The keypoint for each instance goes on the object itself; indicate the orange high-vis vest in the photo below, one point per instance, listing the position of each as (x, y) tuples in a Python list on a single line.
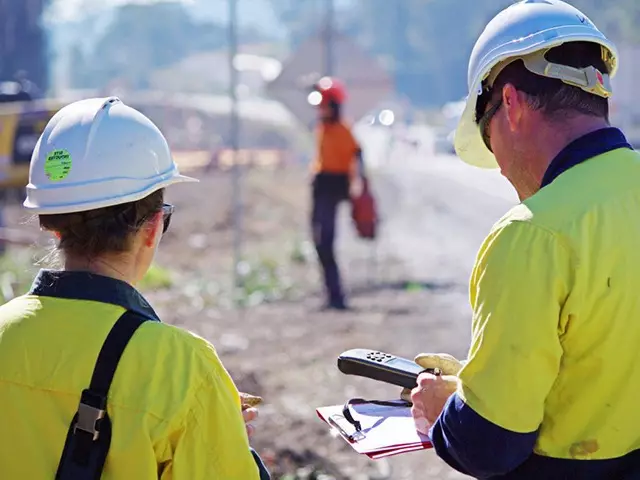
[(337, 149)]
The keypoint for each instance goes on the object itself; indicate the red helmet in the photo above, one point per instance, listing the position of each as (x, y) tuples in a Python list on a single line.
[(332, 90)]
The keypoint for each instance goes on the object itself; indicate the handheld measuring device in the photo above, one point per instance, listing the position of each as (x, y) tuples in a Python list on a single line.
[(381, 366)]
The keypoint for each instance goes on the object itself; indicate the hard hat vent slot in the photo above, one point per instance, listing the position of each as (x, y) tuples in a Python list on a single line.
[(97, 120), (110, 101)]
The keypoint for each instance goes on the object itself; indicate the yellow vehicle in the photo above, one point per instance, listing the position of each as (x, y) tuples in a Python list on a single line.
[(22, 120), (21, 123)]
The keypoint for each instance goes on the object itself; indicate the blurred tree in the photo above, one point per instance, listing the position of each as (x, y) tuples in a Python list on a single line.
[(424, 43), (427, 42), (143, 38), (304, 18), (300, 18)]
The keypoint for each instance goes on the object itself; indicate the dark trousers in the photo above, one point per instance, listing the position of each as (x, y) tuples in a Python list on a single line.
[(323, 220), (328, 191)]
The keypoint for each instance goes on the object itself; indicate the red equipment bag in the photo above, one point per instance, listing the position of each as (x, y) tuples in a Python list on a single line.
[(364, 212)]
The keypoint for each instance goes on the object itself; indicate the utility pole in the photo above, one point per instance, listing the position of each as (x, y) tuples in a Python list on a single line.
[(234, 143), (328, 38)]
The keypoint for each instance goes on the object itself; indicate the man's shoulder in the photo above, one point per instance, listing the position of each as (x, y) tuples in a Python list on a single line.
[(542, 210), (599, 183), (517, 215), (592, 181), (523, 227)]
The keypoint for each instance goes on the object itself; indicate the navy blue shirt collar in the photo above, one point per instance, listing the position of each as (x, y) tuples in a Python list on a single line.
[(583, 148), (89, 286)]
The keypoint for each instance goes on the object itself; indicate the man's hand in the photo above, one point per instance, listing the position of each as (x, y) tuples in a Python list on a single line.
[(429, 398), (356, 186), (448, 365)]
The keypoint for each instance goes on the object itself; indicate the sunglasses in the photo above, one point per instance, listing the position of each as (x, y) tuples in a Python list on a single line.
[(484, 122), (167, 211)]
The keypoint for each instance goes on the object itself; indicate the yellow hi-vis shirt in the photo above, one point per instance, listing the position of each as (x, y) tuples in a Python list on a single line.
[(175, 411), (556, 324)]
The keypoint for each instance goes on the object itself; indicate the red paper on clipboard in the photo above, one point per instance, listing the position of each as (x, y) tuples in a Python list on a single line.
[(386, 430)]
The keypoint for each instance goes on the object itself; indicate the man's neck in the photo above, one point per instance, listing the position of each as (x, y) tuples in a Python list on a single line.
[(555, 137)]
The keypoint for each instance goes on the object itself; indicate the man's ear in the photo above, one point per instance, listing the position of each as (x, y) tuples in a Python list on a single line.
[(152, 230), (514, 103)]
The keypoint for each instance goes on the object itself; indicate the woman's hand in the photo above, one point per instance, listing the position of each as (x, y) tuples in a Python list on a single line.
[(249, 414), (249, 411)]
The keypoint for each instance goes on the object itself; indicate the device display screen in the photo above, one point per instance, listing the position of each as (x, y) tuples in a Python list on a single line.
[(404, 364)]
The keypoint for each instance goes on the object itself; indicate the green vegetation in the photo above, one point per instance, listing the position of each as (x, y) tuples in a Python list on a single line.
[(262, 280), (157, 278), (19, 267), (302, 252)]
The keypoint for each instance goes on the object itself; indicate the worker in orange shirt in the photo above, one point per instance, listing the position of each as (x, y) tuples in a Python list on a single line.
[(338, 161)]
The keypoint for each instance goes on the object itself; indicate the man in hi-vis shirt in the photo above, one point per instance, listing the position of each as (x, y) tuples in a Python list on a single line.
[(551, 385)]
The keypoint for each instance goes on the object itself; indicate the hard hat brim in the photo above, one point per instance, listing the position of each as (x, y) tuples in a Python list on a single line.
[(52, 208), (468, 142)]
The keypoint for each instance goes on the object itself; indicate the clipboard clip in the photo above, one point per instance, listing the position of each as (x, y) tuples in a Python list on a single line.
[(346, 412), (342, 425)]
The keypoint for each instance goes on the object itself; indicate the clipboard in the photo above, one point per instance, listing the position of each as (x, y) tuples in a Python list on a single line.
[(386, 430), (343, 427)]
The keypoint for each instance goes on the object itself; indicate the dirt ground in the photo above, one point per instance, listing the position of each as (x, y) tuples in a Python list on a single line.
[(409, 294)]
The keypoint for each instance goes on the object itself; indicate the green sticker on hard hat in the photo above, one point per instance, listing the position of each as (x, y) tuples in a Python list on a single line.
[(57, 165)]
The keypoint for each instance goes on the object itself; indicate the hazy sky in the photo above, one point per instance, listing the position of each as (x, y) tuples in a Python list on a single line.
[(251, 11), (65, 10)]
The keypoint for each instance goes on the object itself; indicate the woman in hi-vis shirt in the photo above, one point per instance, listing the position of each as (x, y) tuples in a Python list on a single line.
[(337, 161)]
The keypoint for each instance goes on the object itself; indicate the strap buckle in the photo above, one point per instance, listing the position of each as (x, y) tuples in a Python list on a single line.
[(91, 411)]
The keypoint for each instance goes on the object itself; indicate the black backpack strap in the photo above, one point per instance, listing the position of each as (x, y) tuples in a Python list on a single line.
[(89, 436)]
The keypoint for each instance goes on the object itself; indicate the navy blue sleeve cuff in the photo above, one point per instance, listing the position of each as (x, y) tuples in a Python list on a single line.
[(475, 446), (264, 473)]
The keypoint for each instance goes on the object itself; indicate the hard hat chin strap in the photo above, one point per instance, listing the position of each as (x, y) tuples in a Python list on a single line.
[(589, 79)]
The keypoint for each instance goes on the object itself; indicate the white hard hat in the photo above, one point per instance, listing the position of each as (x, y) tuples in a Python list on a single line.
[(97, 153), (528, 29)]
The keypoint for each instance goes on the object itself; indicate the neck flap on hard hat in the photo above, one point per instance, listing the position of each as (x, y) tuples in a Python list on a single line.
[(589, 79)]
